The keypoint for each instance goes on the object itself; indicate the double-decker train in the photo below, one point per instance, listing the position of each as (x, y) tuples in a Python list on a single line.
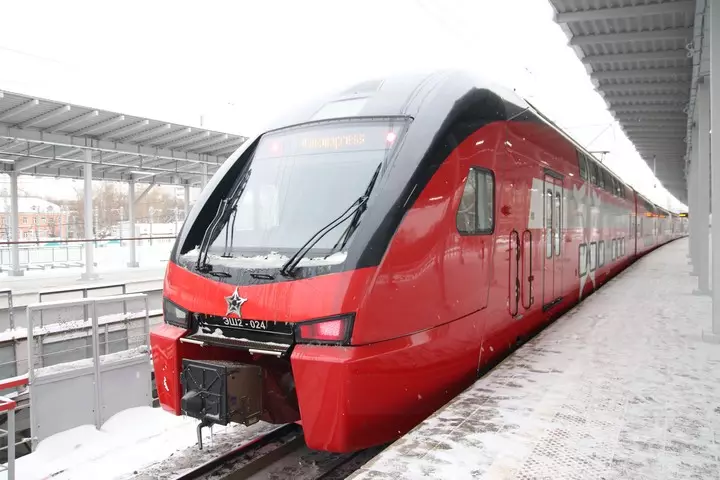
[(357, 266)]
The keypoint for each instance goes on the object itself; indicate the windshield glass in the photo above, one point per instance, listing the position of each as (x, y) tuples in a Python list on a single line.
[(299, 181)]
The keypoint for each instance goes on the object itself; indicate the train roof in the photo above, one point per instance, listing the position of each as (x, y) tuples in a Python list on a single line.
[(404, 95), (399, 95)]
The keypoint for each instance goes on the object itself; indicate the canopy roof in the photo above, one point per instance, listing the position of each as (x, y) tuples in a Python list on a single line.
[(50, 138), (644, 57)]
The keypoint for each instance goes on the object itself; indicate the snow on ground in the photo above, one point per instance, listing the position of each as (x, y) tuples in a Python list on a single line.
[(140, 443), (621, 387), (88, 362)]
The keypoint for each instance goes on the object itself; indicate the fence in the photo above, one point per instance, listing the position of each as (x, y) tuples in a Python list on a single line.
[(61, 256), (90, 391), (11, 315), (61, 329), (8, 407), (69, 253)]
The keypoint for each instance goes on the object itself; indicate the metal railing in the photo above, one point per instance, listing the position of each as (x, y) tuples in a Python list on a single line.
[(91, 305), (8, 406), (51, 253), (84, 291), (42, 256), (11, 315)]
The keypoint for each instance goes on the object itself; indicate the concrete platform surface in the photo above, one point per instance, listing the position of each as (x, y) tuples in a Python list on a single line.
[(41, 280), (621, 387)]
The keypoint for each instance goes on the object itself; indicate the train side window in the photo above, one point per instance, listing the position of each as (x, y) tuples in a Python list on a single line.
[(548, 223), (582, 162), (600, 177), (607, 182), (582, 260), (601, 253), (593, 256), (593, 172), (477, 206), (614, 249), (485, 201), (557, 220), (467, 215)]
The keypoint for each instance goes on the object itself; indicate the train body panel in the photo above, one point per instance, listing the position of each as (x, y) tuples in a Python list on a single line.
[(482, 223)]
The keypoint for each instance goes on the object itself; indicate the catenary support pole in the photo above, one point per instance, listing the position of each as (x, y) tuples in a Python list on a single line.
[(703, 179), (14, 227), (187, 199), (88, 214), (132, 263)]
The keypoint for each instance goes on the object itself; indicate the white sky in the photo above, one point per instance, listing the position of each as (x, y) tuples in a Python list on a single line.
[(241, 63)]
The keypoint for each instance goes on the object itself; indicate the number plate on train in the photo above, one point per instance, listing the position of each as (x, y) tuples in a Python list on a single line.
[(268, 326)]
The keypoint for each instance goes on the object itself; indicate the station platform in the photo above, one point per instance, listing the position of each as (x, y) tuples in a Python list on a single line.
[(49, 285), (40, 280), (621, 387)]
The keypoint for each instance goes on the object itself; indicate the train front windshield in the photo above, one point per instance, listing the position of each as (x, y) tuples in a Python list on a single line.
[(302, 179)]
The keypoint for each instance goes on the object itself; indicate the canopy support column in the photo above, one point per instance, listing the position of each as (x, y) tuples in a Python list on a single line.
[(204, 177), (131, 224), (693, 197), (187, 199), (715, 159), (703, 188), (88, 214), (15, 270)]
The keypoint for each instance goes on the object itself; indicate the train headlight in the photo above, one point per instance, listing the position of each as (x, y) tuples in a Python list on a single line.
[(174, 315), (332, 330)]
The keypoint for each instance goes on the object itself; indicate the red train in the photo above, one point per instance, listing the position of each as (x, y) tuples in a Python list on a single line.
[(359, 265)]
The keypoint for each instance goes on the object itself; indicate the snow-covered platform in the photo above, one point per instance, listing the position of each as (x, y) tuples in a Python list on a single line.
[(35, 281), (621, 387)]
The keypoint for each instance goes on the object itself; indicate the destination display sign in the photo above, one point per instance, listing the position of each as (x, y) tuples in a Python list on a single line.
[(330, 139)]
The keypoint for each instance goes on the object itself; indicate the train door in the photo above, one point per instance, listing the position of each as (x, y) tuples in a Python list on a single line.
[(552, 233)]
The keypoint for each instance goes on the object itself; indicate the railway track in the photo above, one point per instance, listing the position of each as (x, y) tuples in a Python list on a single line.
[(280, 454)]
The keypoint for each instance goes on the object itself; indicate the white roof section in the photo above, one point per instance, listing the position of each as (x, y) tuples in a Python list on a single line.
[(643, 56), (50, 138), (30, 205)]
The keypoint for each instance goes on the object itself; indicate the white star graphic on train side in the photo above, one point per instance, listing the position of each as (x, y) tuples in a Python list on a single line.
[(234, 303)]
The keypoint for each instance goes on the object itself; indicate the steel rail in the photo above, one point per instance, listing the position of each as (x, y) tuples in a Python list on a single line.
[(248, 448)]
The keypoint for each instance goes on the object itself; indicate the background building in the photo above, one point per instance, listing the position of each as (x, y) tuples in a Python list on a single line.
[(39, 219)]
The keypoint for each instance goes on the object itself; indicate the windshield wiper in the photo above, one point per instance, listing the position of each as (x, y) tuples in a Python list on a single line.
[(353, 211), (228, 205), (345, 237), (202, 265)]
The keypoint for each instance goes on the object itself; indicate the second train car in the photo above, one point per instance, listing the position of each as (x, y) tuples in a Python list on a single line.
[(359, 264)]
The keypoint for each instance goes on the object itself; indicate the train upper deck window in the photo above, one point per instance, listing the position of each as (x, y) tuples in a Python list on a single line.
[(476, 211), (593, 168), (582, 163)]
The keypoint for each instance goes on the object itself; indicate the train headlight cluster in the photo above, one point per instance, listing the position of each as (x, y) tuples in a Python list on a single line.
[(174, 315), (329, 331)]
